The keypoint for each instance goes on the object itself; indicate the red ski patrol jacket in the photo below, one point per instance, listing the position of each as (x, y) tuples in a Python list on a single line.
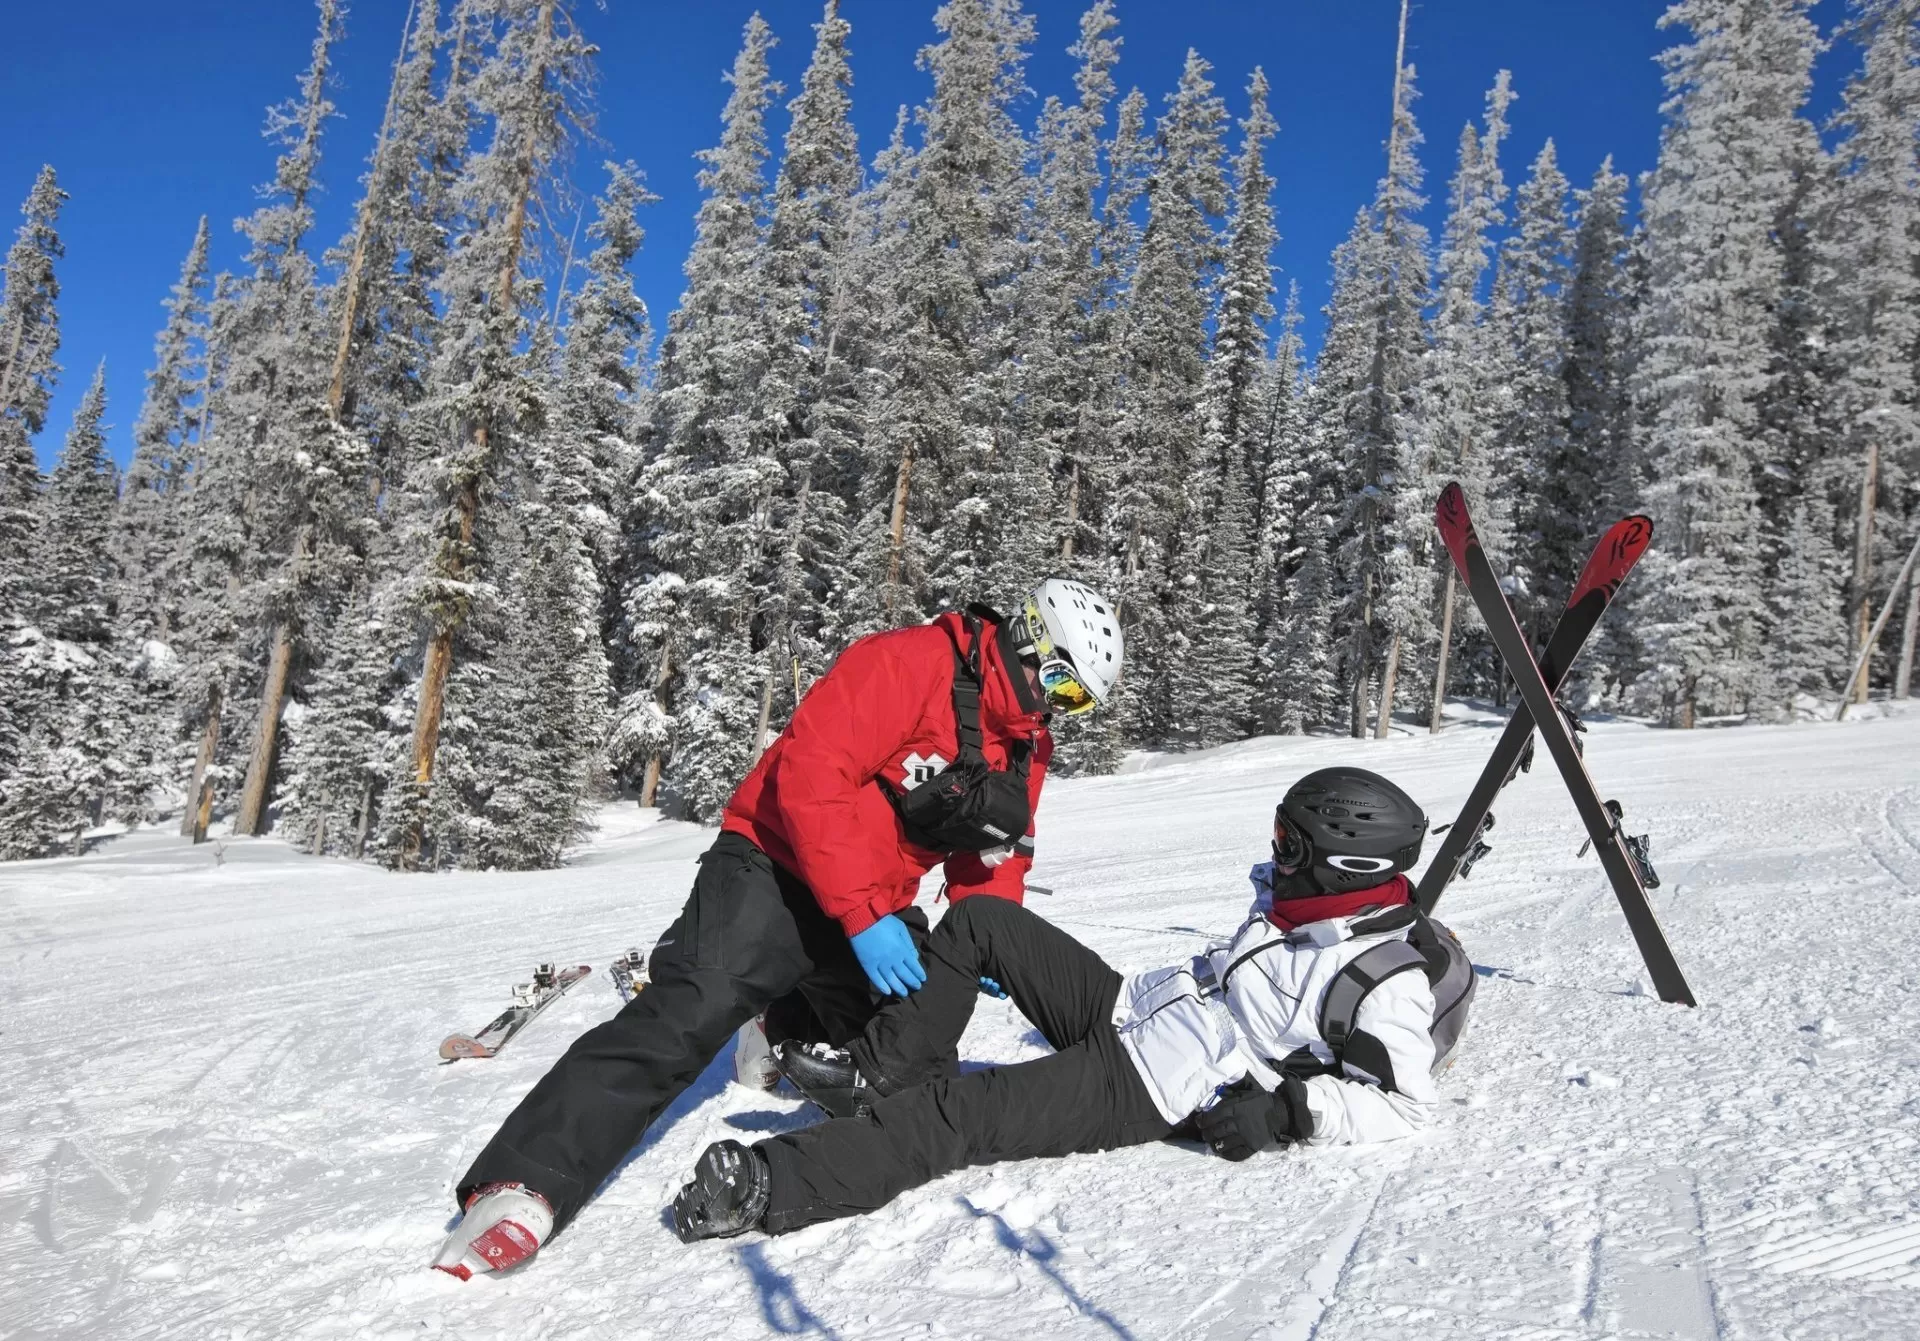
[(815, 802)]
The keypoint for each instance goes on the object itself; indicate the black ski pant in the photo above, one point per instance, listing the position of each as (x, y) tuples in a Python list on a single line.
[(751, 935), (1086, 1096)]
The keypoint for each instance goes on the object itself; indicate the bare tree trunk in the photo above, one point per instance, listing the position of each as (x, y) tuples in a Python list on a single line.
[(193, 823), (1863, 563), (1865, 658), (1903, 681), (897, 531), (650, 780), (1073, 514), (365, 821), (253, 794), (1362, 654), (1446, 655), (766, 710), (319, 843), (1385, 720)]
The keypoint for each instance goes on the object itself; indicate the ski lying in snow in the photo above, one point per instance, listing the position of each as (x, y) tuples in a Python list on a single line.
[(1607, 567), (629, 974), (529, 999), (1456, 528)]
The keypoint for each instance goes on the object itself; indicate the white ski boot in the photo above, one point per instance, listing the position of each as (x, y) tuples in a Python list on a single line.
[(753, 1064), (505, 1224)]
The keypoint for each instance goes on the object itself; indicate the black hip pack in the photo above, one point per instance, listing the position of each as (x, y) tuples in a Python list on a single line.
[(970, 806)]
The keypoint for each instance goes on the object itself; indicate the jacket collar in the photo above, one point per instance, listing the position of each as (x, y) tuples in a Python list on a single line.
[(1005, 709), (1347, 909)]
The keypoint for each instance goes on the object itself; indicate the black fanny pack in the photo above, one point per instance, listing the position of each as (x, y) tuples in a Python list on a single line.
[(971, 806)]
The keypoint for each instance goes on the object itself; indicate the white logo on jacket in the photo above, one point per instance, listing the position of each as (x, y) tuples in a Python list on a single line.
[(918, 769)]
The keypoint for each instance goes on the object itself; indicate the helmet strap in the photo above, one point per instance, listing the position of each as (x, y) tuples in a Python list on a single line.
[(1024, 692)]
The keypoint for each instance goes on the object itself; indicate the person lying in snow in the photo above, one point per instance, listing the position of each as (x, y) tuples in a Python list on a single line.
[(1268, 1040)]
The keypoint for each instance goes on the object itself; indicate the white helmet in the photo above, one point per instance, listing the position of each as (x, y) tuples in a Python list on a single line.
[(1071, 622)]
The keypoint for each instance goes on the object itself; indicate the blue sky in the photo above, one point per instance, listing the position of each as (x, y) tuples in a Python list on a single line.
[(151, 114)]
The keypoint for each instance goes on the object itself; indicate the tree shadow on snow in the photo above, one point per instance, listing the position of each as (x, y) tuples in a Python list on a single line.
[(1042, 1251), (780, 1303)]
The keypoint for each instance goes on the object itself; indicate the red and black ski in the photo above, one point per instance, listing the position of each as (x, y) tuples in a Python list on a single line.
[(529, 999), (1603, 827), (1607, 567)]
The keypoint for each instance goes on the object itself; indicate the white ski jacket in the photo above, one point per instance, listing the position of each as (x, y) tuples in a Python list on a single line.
[(1242, 1008)]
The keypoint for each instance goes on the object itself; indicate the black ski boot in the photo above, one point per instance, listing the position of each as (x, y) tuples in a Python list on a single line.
[(728, 1194), (827, 1076)]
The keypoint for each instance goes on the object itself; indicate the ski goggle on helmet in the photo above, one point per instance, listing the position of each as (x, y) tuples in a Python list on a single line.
[(1073, 633)]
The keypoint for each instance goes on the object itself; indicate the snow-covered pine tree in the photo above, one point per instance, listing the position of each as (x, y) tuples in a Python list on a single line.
[(346, 744), (597, 398), (307, 472), (818, 347), (217, 545), (147, 524), (29, 346), (481, 398), (1226, 487), (981, 485), (1599, 345), (711, 486), (1872, 259), (1547, 487), (1067, 368), (73, 691), (1298, 686), (1163, 341), (1465, 388), (1729, 153), (148, 530), (1600, 411), (1806, 651), (1369, 370)]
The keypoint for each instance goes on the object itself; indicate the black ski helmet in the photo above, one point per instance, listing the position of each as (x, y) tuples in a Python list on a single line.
[(1346, 828)]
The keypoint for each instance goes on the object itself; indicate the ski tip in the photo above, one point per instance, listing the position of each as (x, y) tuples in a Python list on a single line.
[(457, 1046), (1456, 527), (1614, 557)]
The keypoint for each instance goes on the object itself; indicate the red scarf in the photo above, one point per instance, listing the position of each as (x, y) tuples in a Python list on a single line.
[(1290, 913)]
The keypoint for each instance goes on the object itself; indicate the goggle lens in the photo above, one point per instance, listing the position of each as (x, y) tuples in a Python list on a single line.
[(1063, 690), (1290, 850)]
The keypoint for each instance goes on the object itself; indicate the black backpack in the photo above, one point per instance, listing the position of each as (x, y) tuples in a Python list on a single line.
[(1430, 947), (970, 806)]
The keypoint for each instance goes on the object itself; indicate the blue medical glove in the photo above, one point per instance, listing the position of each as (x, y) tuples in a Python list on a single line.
[(885, 950), (992, 988)]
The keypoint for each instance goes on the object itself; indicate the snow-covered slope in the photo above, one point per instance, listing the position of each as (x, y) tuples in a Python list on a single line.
[(221, 1114)]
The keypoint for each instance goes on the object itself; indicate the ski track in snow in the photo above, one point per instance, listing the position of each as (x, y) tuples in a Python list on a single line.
[(224, 1116)]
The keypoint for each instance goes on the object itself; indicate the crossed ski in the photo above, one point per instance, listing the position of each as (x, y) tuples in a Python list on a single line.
[(1606, 568), (1614, 559)]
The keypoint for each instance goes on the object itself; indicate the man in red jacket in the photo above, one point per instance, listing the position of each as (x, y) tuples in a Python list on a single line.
[(919, 746)]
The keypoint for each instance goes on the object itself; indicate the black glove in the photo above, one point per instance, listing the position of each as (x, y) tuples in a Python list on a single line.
[(1249, 1119)]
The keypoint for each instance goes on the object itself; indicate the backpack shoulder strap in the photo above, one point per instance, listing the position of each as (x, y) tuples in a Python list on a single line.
[(966, 692), (1354, 983), (1454, 980)]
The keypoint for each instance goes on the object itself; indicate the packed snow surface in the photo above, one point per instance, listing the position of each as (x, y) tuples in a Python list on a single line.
[(223, 1115)]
